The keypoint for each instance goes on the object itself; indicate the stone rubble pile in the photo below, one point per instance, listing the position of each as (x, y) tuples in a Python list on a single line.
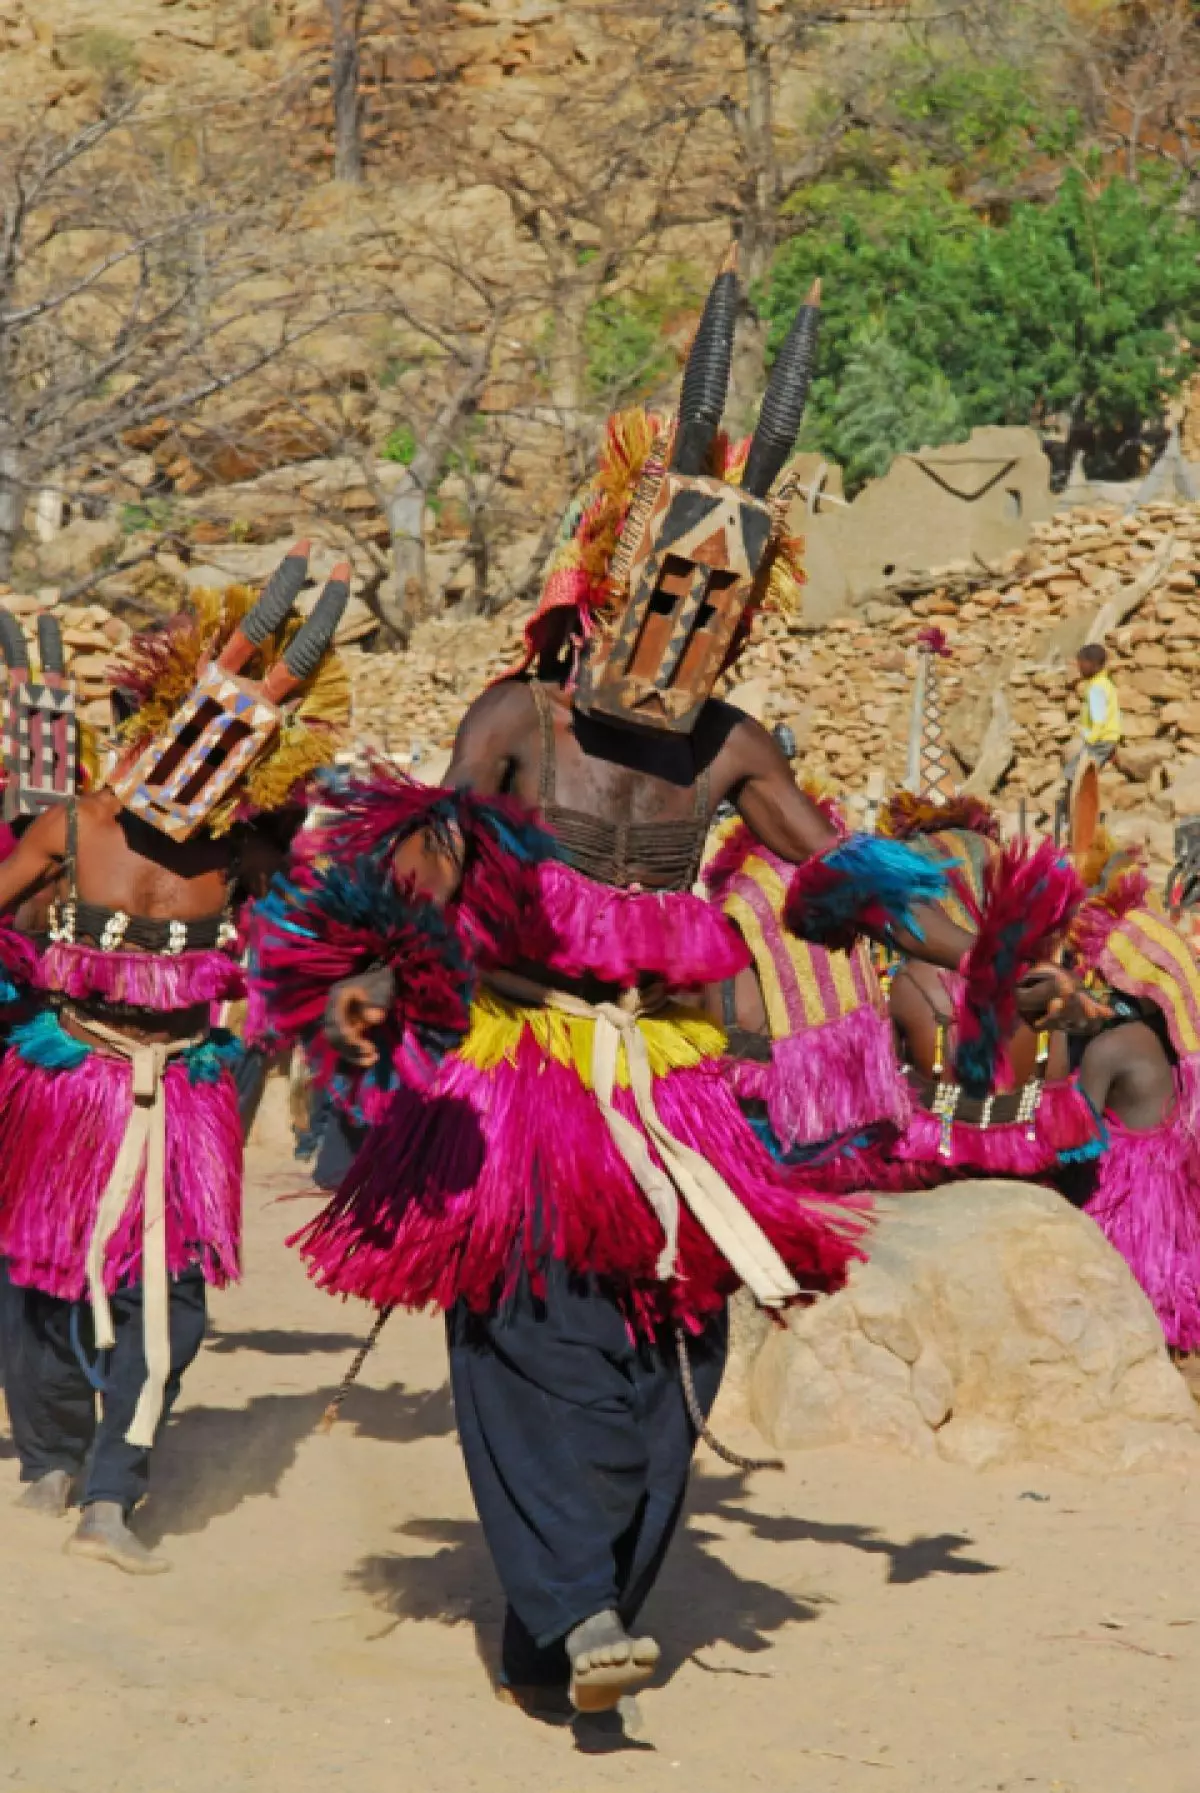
[(409, 704), (847, 690)]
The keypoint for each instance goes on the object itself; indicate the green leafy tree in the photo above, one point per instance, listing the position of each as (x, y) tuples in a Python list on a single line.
[(888, 404), (1082, 307), (629, 335)]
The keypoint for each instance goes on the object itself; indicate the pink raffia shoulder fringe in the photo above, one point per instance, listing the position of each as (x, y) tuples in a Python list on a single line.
[(59, 1135), (1147, 1205), (159, 981), (18, 958), (491, 1172), (620, 935)]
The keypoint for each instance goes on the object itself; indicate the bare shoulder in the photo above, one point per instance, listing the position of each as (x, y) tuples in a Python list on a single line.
[(493, 737), (1125, 1048), (724, 730), (47, 834), (260, 853), (508, 705)]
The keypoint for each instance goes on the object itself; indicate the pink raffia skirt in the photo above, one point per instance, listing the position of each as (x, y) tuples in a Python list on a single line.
[(829, 1080), (60, 1130), (506, 1161), (1147, 1205)]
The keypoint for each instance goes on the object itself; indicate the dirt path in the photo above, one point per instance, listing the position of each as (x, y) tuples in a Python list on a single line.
[(857, 1623)]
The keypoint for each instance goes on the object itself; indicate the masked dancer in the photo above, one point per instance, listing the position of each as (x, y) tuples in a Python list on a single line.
[(574, 1183), (1140, 1068), (119, 1130)]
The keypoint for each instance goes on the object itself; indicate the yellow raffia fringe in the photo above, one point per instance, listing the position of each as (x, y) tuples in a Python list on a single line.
[(677, 1039), (314, 720)]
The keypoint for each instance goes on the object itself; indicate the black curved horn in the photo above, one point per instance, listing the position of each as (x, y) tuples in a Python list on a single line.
[(706, 375), (311, 642), (785, 398), (12, 643), (278, 595), (50, 646)]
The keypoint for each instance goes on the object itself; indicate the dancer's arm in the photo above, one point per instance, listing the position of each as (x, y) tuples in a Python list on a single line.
[(790, 824), (35, 861)]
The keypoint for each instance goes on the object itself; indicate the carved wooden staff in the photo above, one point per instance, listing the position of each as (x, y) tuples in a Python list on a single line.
[(928, 772)]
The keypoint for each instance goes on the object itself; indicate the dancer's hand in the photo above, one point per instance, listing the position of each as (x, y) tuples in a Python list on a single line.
[(1048, 996), (355, 1007)]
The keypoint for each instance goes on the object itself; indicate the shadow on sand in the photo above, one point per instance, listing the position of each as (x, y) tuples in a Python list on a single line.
[(214, 1458), (700, 1600), (281, 1342)]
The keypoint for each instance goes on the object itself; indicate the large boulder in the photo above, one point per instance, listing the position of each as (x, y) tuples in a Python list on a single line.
[(991, 1324)]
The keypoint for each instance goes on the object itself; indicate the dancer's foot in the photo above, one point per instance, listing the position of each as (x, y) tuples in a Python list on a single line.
[(50, 1494), (103, 1535), (606, 1663)]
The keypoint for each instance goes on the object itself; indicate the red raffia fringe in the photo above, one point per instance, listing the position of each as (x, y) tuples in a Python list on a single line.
[(1147, 1205), (163, 982)]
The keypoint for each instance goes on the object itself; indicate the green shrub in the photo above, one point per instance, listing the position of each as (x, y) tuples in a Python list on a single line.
[(400, 446), (1084, 306), (107, 54)]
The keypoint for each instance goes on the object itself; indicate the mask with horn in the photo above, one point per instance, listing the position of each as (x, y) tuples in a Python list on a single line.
[(41, 730), (210, 744), (696, 549)]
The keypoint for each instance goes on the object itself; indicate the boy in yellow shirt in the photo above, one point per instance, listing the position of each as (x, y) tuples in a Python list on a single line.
[(1100, 723)]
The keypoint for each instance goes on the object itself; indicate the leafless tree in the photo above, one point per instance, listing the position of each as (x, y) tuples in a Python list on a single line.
[(1138, 72), (345, 17), (144, 271)]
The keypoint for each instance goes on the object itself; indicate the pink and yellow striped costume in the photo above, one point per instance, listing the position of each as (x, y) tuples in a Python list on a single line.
[(832, 1074)]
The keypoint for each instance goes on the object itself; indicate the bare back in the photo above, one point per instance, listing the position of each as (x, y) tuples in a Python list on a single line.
[(618, 774), (122, 863)]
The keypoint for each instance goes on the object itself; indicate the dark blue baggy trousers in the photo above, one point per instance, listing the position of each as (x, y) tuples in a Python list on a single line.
[(44, 1344), (578, 1446)]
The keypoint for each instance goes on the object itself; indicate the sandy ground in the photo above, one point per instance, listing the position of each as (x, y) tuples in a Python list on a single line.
[(859, 1622)]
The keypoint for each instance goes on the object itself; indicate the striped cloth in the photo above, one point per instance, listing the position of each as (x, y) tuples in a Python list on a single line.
[(803, 985)]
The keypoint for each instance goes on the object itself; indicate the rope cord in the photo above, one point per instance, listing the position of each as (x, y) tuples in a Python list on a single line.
[(329, 1418), (696, 1414)]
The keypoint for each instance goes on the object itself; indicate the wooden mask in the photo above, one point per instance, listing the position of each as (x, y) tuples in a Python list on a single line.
[(227, 721), (41, 732), (693, 547)]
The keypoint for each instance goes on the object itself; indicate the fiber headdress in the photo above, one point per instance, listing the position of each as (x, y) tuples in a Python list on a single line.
[(908, 815), (238, 703), (962, 833), (1028, 897), (1122, 935), (673, 548)]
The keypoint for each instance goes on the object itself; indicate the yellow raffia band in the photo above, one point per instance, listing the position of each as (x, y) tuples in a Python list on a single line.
[(677, 1039)]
